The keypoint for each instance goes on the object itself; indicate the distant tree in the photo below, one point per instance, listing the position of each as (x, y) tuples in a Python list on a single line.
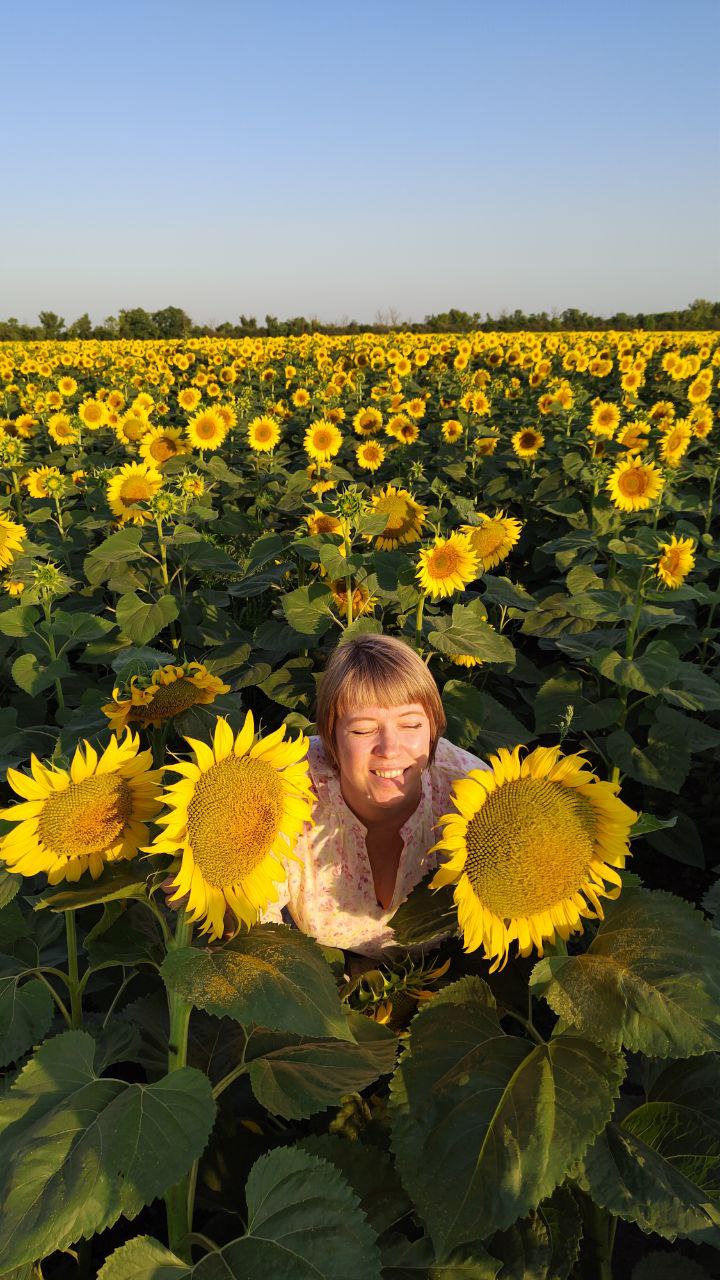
[(51, 325), (171, 322), (81, 328), (136, 323), (248, 322)]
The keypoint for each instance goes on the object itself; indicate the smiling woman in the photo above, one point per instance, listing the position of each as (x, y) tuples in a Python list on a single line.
[(381, 777)]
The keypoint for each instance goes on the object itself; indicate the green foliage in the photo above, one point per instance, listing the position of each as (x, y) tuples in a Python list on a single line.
[(503, 1118), (78, 1150), (649, 981)]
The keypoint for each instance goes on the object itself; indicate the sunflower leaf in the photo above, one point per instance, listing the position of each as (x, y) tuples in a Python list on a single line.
[(649, 981), (504, 1118), (117, 881), (299, 1079), (141, 621), (478, 721), (425, 916), (307, 609), (26, 1011), (467, 633), (78, 1150), (271, 977), (304, 1223), (660, 1166), (103, 560)]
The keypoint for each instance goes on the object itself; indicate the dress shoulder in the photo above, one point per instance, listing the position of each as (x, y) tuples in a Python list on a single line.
[(455, 760)]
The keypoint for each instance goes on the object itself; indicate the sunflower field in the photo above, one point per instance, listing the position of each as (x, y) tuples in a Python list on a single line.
[(187, 530)]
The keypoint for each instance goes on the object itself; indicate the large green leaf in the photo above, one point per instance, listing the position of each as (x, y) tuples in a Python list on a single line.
[(307, 609), (272, 976), (664, 763), (426, 916), (118, 880), (33, 675), (141, 621), (78, 1150), (660, 1167), (19, 621), (478, 721), (299, 1079), (649, 981), (119, 547), (405, 1259), (502, 1117), (371, 1174), (26, 1011), (304, 1223), (467, 631), (543, 1246)]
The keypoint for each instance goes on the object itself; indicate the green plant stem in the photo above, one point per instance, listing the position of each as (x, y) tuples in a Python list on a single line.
[(348, 576), (524, 1022), (60, 1003), (53, 651), (711, 496), (177, 1203), (76, 1018), (599, 1237), (418, 621), (629, 654)]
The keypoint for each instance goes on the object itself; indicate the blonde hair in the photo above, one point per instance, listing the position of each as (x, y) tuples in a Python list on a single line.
[(373, 670)]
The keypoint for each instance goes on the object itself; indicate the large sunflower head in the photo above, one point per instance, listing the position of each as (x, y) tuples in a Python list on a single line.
[(167, 693), (493, 539), (236, 810), (405, 517), (207, 429), (36, 481), (77, 819), (130, 489), (447, 566), (263, 434), (322, 440), (132, 427), (162, 443), (634, 484), (367, 421), (677, 558), (11, 537), (370, 455), (675, 443), (527, 442), (61, 429), (605, 420), (533, 847)]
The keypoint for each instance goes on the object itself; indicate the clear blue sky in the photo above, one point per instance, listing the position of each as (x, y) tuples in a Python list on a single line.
[(332, 159)]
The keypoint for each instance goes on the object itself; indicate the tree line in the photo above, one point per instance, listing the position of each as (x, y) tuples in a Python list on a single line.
[(174, 322)]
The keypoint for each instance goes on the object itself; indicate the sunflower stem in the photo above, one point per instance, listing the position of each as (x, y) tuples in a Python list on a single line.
[(418, 621), (629, 654), (177, 1202), (711, 495), (76, 1018), (599, 1234)]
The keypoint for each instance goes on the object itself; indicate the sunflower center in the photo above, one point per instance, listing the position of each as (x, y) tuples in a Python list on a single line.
[(488, 538), (529, 846), (323, 440), (133, 429), (633, 482), (87, 818), (163, 448), (234, 818), (528, 440), (398, 512), (671, 560), (135, 491), (170, 700), (206, 428), (444, 562), (263, 431)]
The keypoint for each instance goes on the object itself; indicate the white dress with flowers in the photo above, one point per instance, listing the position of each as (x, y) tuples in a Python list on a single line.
[(329, 893)]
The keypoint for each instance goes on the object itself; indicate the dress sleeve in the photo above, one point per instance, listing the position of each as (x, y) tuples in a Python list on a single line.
[(456, 761)]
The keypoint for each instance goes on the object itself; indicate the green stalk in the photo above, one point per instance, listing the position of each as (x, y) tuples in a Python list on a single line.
[(599, 1235), (348, 576), (629, 654), (76, 1017), (418, 621), (177, 1202), (711, 495), (53, 652)]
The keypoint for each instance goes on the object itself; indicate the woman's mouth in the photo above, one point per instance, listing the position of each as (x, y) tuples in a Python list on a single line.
[(388, 773)]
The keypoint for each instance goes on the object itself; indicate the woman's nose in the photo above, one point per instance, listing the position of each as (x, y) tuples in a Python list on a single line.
[(388, 743)]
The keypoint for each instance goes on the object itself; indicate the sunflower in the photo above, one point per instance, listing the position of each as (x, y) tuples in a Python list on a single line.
[(61, 429), (93, 414), (405, 518), (79, 818), (634, 484), (13, 586), (676, 561), (633, 437), (605, 420), (11, 536), (370, 455), (322, 440), (132, 427), (36, 481), (675, 443), (452, 430), (485, 446), (263, 434), (367, 421), (362, 601), (132, 484), (162, 443), (236, 810), (528, 442), (168, 692), (494, 539), (447, 566), (701, 421), (207, 429), (189, 399), (67, 386), (532, 848), (322, 522)]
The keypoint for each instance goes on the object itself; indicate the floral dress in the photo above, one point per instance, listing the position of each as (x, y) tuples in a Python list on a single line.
[(329, 893)]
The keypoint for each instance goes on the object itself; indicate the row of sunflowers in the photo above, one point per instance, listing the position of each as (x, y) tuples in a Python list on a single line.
[(187, 529)]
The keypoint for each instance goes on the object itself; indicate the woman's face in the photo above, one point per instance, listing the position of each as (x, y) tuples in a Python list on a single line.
[(382, 752)]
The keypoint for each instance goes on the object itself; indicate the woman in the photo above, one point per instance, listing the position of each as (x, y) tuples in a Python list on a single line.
[(382, 777)]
